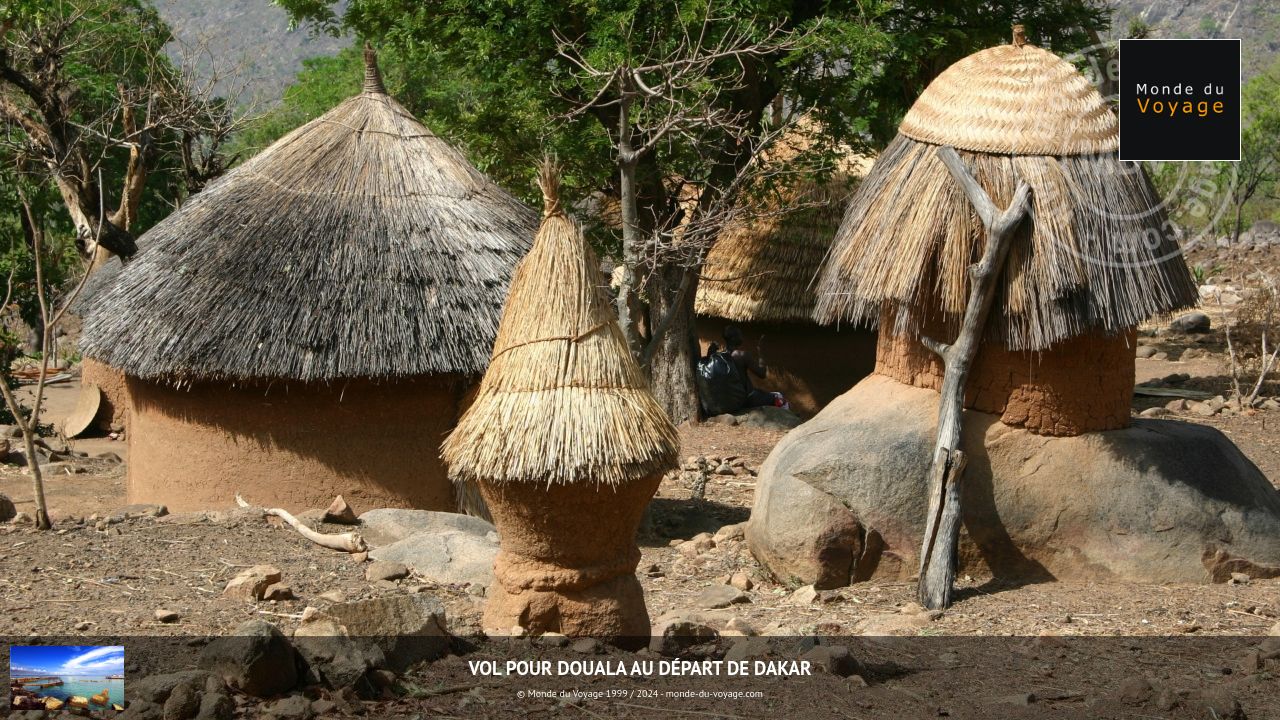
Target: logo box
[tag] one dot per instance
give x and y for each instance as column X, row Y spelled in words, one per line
column 1180, row 99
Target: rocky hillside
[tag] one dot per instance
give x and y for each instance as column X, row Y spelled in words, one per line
column 1256, row 22
column 250, row 38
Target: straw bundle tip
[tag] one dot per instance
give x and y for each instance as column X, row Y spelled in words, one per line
column 549, row 183
column 1019, row 35
column 372, row 75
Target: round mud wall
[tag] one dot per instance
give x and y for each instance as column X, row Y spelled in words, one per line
column 292, row 445
column 1081, row 385
column 810, row 364
column 114, row 410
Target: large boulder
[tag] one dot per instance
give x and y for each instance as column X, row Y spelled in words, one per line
column 842, row 498
column 450, row 557
column 389, row 525
column 256, row 659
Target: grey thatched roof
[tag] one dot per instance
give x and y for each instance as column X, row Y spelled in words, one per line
column 359, row 245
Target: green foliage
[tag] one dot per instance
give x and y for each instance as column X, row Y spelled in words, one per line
column 485, row 73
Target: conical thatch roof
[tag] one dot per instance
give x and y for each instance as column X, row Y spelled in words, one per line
column 761, row 267
column 359, row 245
column 1094, row 256
column 563, row 400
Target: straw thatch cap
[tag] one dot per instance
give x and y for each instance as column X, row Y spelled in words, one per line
column 1013, row 99
column 761, row 267
column 1095, row 254
column 360, row 245
column 563, row 400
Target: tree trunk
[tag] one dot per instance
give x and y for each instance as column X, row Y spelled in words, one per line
column 671, row 367
column 946, row 474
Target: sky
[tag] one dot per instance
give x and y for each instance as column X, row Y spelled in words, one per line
column 74, row 660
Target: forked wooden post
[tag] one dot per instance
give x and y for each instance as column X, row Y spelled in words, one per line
column 942, row 527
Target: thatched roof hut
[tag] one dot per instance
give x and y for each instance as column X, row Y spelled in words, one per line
column 566, row 445
column 351, row 272
column 563, row 400
column 1094, row 257
column 759, row 276
column 1093, row 260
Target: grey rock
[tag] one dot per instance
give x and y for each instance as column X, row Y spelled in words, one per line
column 833, row 659
column 721, row 596
column 333, row 658
column 1146, row 351
column 446, row 557
column 385, row 570
column 385, row 526
column 256, row 658
column 1191, row 323
column 674, row 633
column 294, row 707
column 167, row 616
column 1160, row 501
column 769, row 418
column 215, row 706
column 408, row 628
column 7, row 510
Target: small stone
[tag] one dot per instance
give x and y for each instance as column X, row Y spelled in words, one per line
column 332, row 596
column 1160, row 356
column 696, row 545
column 21, row 518
column 385, row 570
column 1135, row 691
column 741, row 581
column 721, row 596
column 82, row 626
column 1022, row 699
column 728, row 533
column 674, row 634
column 1177, row 405
column 834, row 659
column 251, row 583
column 1146, row 351
column 1203, row 409
column 278, row 592
column 167, row 616
column 1155, row 412
column 323, row 706
column 1239, row 578
column 738, row 626
column 586, row 646
column 1191, row 323
column 552, row 639
column 340, row 513
column 294, row 707
column 1270, row 404
column 806, row 595
column 723, row 419
column 726, row 469
column 7, row 510
column 359, row 557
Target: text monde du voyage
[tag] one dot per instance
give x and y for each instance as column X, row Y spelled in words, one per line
column 1177, row 100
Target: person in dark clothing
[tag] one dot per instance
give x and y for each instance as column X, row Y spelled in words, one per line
column 751, row 364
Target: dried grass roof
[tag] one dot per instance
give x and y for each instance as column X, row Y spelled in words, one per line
column 761, row 267
column 1093, row 256
column 1013, row 99
column 359, row 245
column 563, row 400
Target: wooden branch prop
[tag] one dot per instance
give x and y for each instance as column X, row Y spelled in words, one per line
column 349, row 542
column 942, row 525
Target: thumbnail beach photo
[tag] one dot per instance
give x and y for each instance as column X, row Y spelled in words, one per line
column 86, row 679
